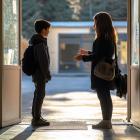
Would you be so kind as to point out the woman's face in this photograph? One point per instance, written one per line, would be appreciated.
(95, 27)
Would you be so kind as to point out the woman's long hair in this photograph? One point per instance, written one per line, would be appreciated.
(105, 26)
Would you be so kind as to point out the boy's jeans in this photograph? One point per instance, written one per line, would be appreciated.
(39, 95)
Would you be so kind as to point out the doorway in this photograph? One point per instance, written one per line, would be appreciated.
(18, 68)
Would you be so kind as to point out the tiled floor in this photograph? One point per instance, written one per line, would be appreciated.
(25, 132)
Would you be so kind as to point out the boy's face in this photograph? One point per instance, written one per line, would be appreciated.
(46, 32)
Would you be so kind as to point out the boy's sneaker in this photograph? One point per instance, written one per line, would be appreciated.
(40, 122)
(103, 125)
(32, 120)
(40, 117)
(43, 119)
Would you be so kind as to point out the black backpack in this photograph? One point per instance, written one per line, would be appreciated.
(28, 61)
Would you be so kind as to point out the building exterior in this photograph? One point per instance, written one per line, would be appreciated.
(66, 38)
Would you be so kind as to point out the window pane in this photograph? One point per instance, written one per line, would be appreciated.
(135, 33)
(89, 37)
(122, 52)
(70, 37)
(68, 52)
(10, 15)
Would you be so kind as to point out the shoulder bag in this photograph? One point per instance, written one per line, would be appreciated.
(107, 70)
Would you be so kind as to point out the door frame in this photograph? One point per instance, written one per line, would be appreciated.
(20, 21)
(20, 57)
(128, 60)
(129, 119)
(1, 59)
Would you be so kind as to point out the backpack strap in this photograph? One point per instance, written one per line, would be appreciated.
(35, 43)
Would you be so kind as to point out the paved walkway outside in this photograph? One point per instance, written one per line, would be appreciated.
(70, 99)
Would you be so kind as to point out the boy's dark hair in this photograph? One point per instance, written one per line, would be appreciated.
(41, 24)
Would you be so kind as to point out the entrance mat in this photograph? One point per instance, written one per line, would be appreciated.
(65, 125)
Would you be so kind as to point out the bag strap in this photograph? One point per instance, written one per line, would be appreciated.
(115, 51)
(116, 58)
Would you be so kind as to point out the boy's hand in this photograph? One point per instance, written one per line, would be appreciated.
(82, 51)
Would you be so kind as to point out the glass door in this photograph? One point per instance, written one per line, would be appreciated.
(134, 64)
(10, 110)
(11, 32)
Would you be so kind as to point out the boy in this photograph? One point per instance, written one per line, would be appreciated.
(42, 74)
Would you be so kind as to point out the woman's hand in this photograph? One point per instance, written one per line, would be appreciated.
(82, 51)
(78, 57)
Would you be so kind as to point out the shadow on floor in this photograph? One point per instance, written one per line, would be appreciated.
(118, 132)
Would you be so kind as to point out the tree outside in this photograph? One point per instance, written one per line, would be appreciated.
(68, 10)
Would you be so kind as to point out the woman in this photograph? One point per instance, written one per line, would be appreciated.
(104, 45)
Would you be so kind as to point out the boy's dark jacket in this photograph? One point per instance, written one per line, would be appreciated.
(100, 49)
(42, 57)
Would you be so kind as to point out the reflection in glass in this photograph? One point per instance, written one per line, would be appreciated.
(10, 15)
(135, 32)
